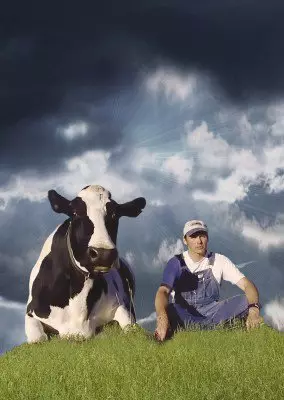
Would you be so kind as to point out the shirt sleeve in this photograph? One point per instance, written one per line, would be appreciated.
(230, 272)
(171, 272)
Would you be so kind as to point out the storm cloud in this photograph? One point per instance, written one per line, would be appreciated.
(59, 64)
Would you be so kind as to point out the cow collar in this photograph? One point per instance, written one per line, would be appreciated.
(68, 241)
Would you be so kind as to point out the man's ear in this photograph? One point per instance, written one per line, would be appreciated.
(184, 241)
(59, 204)
(132, 208)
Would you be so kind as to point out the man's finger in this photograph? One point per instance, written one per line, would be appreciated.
(158, 336)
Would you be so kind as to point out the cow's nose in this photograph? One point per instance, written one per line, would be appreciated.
(92, 253)
(102, 257)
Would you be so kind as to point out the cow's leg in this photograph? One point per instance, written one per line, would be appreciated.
(34, 330)
(123, 317)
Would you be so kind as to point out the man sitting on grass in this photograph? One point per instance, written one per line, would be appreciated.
(195, 277)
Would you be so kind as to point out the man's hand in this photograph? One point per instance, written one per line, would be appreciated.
(253, 319)
(162, 327)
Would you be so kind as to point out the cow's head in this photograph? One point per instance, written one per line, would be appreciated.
(94, 223)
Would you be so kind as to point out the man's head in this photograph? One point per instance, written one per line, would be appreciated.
(195, 236)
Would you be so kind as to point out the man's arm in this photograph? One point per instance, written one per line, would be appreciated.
(161, 303)
(253, 297)
(250, 290)
(171, 272)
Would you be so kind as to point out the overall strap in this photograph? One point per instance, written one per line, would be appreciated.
(181, 259)
(211, 257)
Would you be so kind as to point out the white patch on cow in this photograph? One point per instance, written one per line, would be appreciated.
(34, 330)
(96, 198)
(72, 319)
(103, 311)
(123, 317)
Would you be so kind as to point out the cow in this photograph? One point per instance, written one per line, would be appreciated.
(79, 282)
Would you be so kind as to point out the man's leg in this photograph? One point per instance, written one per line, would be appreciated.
(233, 307)
(181, 318)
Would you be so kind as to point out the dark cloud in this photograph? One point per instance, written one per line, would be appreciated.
(40, 144)
(56, 62)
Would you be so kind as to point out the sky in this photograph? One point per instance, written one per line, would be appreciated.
(178, 102)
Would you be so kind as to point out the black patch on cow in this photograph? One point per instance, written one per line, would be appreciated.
(112, 220)
(57, 280)
(132, 208)
(99, 287)
(86, 187)
(48, 330)
(81, 232)
(58, 203)
(115, 211)
(79, 207)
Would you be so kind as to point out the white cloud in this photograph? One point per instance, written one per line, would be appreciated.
(274, 314)
(173, 167)
(75, 130)
(245, 264)
(146, 320)
(175, 86)
(211, 151)
(179, 167)
(157, 203)
(167, 250)
(130, 258)
(264, 237)
(276, 114)
(11, 305)
(89, 168)
(143, 158)
(233, 169)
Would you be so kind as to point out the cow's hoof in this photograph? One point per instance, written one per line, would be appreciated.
(37, 340)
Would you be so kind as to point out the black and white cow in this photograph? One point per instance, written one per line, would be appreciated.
(79, 282)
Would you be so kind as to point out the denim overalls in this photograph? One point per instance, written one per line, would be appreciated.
(197, 299)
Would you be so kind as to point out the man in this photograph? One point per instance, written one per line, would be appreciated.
(195, 277)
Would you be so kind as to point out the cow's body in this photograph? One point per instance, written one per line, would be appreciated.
(72, 289)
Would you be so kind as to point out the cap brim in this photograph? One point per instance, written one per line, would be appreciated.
(192, 231)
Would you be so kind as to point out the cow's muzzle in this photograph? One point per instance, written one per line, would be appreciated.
(101, 260)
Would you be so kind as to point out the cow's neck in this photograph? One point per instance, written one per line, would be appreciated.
(71, 255)
(60, 254)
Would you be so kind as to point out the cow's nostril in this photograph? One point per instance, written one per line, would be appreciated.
(93, 253)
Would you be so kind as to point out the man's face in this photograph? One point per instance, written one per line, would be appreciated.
(197, 242)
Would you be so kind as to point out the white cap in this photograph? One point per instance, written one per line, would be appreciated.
(193, 226)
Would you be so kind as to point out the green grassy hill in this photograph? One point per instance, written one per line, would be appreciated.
(218, 364)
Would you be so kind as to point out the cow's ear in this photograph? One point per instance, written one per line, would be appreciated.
(132, 208)
(59, 204)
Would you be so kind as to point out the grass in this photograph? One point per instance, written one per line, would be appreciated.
(225, 363)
